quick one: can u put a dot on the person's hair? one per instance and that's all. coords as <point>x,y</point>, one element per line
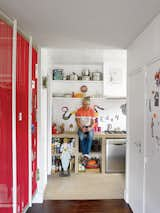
<point>86,99</point>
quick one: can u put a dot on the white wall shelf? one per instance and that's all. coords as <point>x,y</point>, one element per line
<point>77,81</point>
<point>75,99</point>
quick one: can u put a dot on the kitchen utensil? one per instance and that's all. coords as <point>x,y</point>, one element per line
<point>73,76</point>
<point>57,95</point>
<point>84,88</point>
<point>58,74</point>
<point>85,78</point>
<point>80,78</point>
<point>96,76</point>
<point>78,95</point>
<point>86,72</point>
<point>67,95</point>
<point>109,127</point>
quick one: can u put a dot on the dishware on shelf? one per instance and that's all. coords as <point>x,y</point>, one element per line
<point>58,95</point>
<point>84,88</point>
<point>58,74</point>
<point>86,72</point>
<point>96,76</point>
<point>68,95</point>
<point>86,78</point>
<point>73,76</point>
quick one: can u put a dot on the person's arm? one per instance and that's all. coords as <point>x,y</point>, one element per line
<point>91,125</point>
<point>80,125</point>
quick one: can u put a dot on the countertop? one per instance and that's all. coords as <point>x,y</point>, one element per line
<point>96,134</point>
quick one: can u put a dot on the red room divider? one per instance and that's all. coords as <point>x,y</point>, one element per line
<point>6,183</point>
<point>22,77</point>
<point>7,100</point>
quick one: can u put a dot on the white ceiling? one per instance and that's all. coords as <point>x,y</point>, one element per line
<point>82,23</point>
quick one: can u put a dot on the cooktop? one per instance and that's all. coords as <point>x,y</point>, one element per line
<point>115,132</point>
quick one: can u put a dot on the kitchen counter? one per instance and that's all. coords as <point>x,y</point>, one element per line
<point>101,135</point>
<point>96,134</point>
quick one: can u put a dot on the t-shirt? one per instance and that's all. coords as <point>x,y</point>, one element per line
<point>85,116</point>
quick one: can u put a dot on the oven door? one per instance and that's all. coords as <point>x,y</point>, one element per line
<point>115,155</point>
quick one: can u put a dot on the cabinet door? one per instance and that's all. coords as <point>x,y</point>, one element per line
<point>136,140</point>
<point>115,79</point>
<point>34,121</point>
<point>152,147</point>
<point>22,122</point>
<point>5,118</point>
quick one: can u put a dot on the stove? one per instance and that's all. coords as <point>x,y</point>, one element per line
<point>115,132</point>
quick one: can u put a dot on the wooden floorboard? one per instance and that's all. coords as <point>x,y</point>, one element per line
<point>81,206</point>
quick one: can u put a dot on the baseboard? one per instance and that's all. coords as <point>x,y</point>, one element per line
<point>130,208</point>
<point>126,196</point>
<point>38,198</point>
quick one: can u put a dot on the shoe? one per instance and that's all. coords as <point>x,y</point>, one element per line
<point>87,156</point>
<point>85,161</point>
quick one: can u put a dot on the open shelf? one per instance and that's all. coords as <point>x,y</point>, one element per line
<point>70,98</point>
<point>77,81</point>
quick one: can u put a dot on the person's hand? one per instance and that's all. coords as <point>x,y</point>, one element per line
<point>89,129</point>
<point>84,129</point>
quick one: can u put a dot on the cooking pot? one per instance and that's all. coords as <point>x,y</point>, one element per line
<point>86,72</point>
<point>96,76</point>
<point>73,76</point>
<point>58,74</point>
<point>85,78</point>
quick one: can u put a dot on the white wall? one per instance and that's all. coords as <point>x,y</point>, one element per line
<point>111,109</point>
<point>42,128</point>
<point>144,50</point>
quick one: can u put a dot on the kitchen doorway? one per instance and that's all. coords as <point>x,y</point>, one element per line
<point>83,184</point>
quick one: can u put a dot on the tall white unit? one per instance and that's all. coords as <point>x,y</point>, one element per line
<point>136,140</point>
<point>152,147</point>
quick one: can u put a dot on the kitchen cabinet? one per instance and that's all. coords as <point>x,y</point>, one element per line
<point>56,154</point>
<point>136,117</point>
<point>6,161</point>
<point>114,79</point>
<point>77,154</point>
<point>22,138</point>
<point>152,146</point>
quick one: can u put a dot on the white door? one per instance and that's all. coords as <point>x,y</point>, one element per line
<point>136,140</point>
<point>152,145</point>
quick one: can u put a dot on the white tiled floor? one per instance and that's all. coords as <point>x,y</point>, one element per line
<point>85,186</point>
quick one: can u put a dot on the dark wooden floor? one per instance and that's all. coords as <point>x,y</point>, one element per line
<point>81,206</point>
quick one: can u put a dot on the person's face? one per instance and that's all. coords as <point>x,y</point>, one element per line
<point>85,104</point>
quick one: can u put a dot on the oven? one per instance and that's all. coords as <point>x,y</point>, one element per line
<point>115,155</point>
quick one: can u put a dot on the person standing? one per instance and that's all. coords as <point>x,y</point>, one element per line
<point>85,116</point>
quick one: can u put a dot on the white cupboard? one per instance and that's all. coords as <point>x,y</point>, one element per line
<point>136,140</point>
<point>152,142</point>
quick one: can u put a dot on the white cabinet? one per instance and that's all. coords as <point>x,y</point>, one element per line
<point>152,146</point>
<point>115,79</point>
<point>136,140</point>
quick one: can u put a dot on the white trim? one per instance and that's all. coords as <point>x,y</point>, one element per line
<point>14,161</point>
<point>30,123</point>
<point>127,174</point>
<point>38,198</point>
<point>49,122</point>
<point>6,17</point>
